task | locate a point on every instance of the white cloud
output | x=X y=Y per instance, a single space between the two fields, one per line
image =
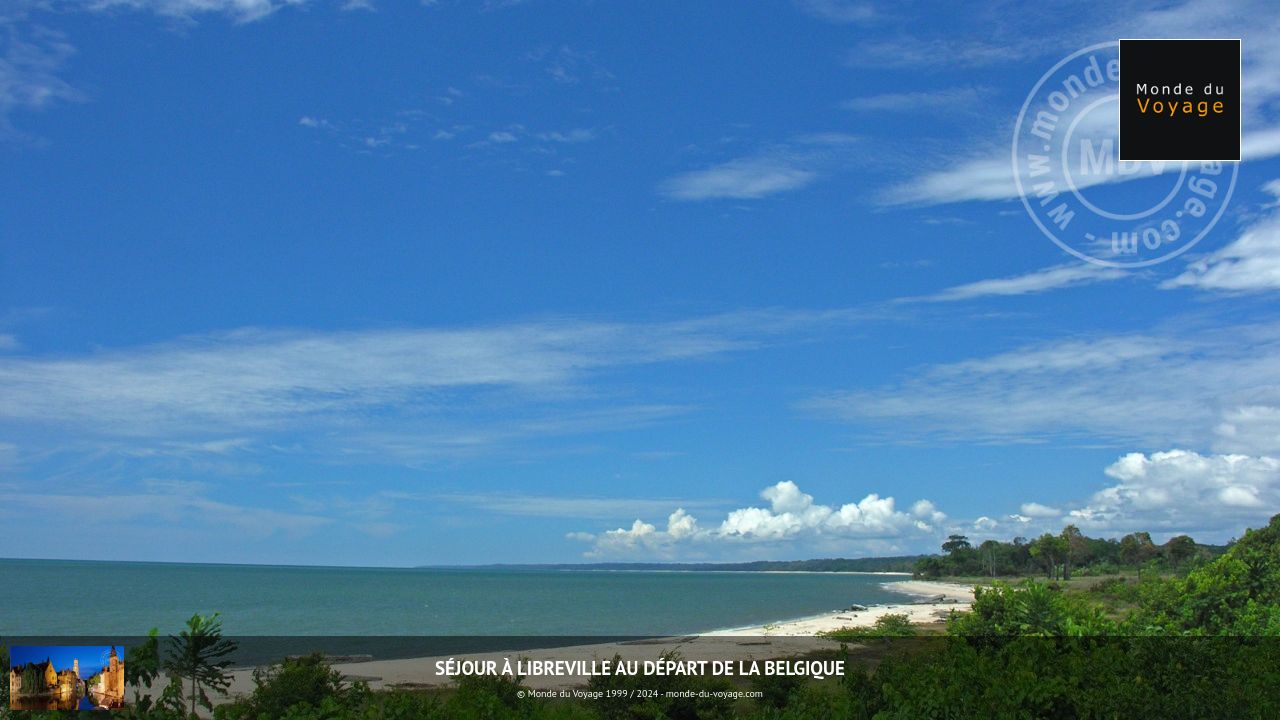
x=988 y=175
x=1050 y=278
x=1210 y=497
x=410 y=392
x=782 y=168
x=168 y=502
x=319 y=123
x=952 y=52
x=1201 y=386
x=791 y=514
x=559 y=506
x=1184 y=491
x=1036 y=510
x=31 y=55
x=30 y=59
x=502 y=136
x=744 y=178
x=1249 y=263
x=984 y=524
x=576 y=135
x=1272 y=187
x=238 y=10
x=566 y=66
x=949 y=99
x=838 y=11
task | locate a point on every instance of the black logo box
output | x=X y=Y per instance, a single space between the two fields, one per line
x=1180 y=65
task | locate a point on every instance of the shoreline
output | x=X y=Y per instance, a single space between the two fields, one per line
x=953 y=596
x=744 y=572
x=771 y=640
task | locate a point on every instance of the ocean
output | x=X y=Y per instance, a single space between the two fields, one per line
x=60 y=598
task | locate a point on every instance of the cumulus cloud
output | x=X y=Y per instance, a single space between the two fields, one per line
x=984 y=524
x=791 y=514
x=1184 y=491
x=1036 y=510
x=1209 y=496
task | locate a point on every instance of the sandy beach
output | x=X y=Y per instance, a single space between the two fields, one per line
x=934 y=602
x=947 y=597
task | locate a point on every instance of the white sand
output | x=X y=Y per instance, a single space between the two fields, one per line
x=925 y=588
x=772 y=640
x=956 y=597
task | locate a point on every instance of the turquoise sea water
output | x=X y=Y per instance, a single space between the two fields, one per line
x=97 y=598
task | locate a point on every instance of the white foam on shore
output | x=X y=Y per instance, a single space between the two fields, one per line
x=956 y=597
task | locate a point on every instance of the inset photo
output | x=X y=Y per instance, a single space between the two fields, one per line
x=66 y=677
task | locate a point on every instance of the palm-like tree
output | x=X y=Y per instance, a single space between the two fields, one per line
x=198 y=655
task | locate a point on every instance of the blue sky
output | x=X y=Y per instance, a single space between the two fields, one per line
x=93 y=658
x=459 y=282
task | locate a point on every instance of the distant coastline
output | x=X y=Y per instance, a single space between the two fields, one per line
x=897 y=564
x=891 y=565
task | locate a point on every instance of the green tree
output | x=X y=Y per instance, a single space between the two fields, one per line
x=1073 y=547
x=198 y=656
x=1136 y=548
x=1180 y=548
x=988 y=551
x=955 y=545
x=1049 y=549
x=141 y=668
x=929 y=567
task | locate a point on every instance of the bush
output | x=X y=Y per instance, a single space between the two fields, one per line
x=1033 y=609
x=891 y=625
x=304 y=682
x=1235 y=594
